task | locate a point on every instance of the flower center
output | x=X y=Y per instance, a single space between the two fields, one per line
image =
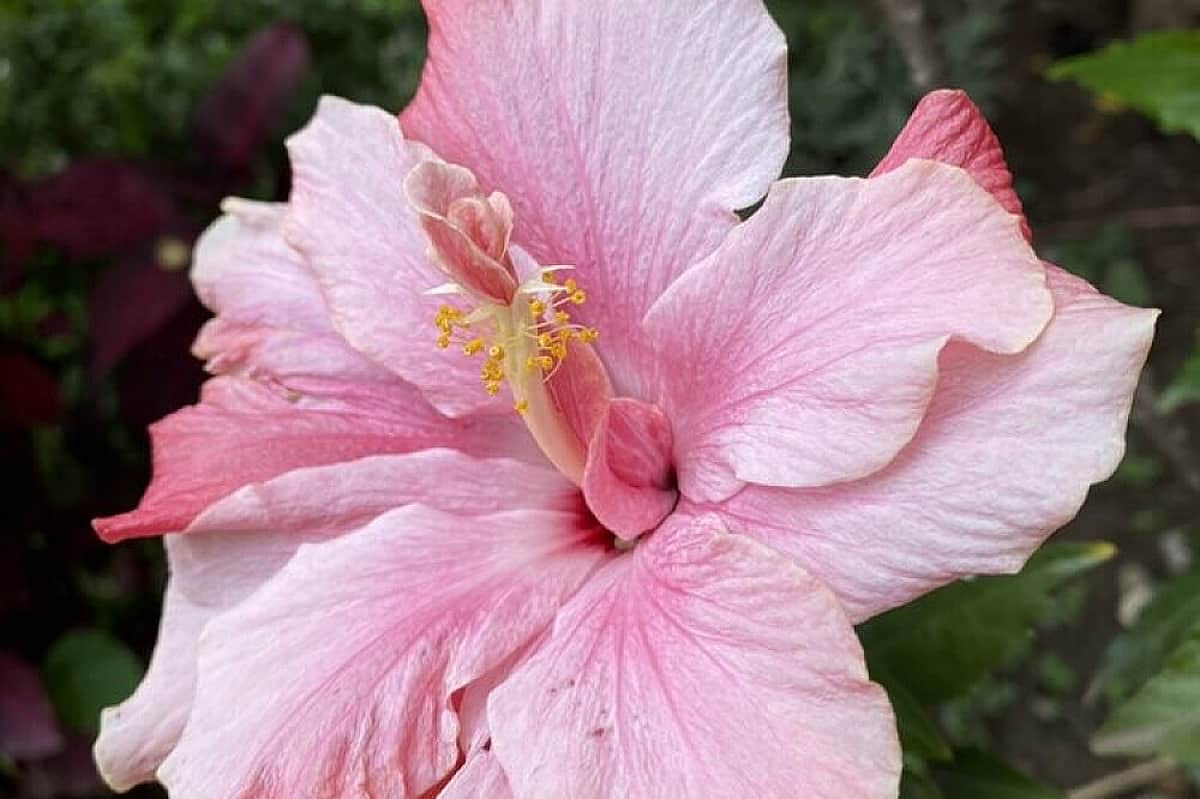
x=522 y=333
x=524 y=344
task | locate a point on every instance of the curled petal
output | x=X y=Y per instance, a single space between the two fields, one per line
x=947 y=127
x=244 y=432
x=629 y=480
x=816 y=366
x=468 y=232
x=1004 y=457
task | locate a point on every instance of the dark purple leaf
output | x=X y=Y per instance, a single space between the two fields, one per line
x=28 y=393
x=28 y=729
x=161 y=375
x=233 y=122
x=131 y=302
x=98 y=207
x=17 y=238
x=72 y=772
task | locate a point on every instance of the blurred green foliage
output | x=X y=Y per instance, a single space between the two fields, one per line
x=1184 y=388
x=1107 y=260
x=942 y=644
x=80 y=77
x=121 y=76
x=1150 y=676
x=850 y=91
x=946 y=649
x=1163 y=717
x=86 y=671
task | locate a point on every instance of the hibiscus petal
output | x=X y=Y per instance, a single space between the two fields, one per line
x=243 y=270
x=309 y=398
x=238 y=543
x=804 y=351
x=138 y=734
x=468 y=233
x=1004 y=457
x=622 y=156
x=350 y=219
x=946 y=126
x=479 y=778
x=702 y=664
x=244 y=432
x=370 y=635
x=628 y=480
x=271 y=318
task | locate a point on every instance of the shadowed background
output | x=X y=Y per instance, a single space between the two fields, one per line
x=124 y=122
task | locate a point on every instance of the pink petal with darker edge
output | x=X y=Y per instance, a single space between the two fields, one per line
x=238 y=543
x=946 y=126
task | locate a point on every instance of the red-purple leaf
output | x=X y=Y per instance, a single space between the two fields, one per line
x=233 y=121
x=17 y=237
x=161 y=376
x=129 y=304
x=28 y=729
x=99 y=206
x=28 y=393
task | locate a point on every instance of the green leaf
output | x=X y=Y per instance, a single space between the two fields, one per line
x=942 y=644
x=1157 y=73
x=1134 y=655
x=1163 y=718
x=918 y=734
x=978 y=775
x=86 y=671
x=1184 y=388
x=916 y=783
x=1126 y=281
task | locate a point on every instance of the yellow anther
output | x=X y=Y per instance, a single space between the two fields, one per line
x=492 y=370
x=446 y=315
x=502 y=334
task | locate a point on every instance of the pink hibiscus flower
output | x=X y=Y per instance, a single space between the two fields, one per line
x=731 y=440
